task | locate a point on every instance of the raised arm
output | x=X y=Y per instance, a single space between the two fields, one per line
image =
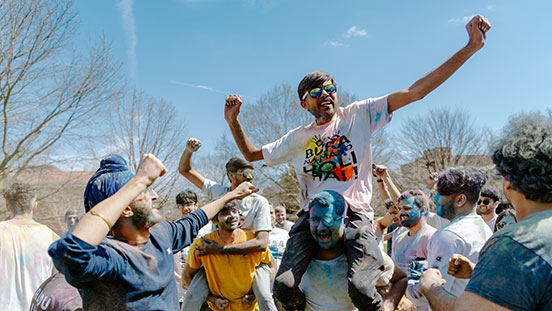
x=92 y=228
x=185 y=165
x=241 y=191
x=231 y=111
x=477 y=29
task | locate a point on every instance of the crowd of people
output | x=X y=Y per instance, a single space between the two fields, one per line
x=444 y=247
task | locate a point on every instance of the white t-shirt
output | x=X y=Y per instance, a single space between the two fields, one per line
x=334 y=156
x=394 y=237
x=254 y=209
x=436 y=221
x=325 y=285
x=407 y=248
x=24 y=261
x=491 y=223
x=277 y=241
x=465 y=235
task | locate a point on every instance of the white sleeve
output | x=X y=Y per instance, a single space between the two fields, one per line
x=442 y=246
x=374 y=112
x=262 y=220
x=213 y=190
x=281 y=150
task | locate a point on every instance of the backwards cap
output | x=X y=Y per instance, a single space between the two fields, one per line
x=112 y=175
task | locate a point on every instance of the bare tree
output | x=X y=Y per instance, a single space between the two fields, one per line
x=143 y=124
x=438 y=139
x=47 y=90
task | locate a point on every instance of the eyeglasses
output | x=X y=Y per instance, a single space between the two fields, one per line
x=485 y=202
x=316 y=92
x=315 y=221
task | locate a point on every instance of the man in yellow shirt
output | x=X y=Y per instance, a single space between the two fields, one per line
x=229 y=276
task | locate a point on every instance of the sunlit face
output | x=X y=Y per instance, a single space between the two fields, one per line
x=281 y=217
x=322 y=108
x=410 y=214
x=142 y=207
x=186 y=209
x=240 y=176
x=445 y=205
x=395 y=216
x=486 y=205
x=228 y=218
x=325 y=226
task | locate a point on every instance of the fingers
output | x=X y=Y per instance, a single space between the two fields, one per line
x=151 y=168
x=193 y=144
x=233 y=99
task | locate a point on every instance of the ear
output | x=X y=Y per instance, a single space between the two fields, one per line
x=127 y=212
x=304 y=104
x=461 y=200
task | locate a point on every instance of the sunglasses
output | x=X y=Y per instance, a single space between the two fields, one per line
x=316 y=92
x=485 y=202
x=315 y=221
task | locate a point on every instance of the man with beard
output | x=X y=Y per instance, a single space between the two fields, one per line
x=514 y=271
x=487 y=204
x=458 y=191
x=230 y=277
x=334 y=152
x=410 y=247
x=132 y=268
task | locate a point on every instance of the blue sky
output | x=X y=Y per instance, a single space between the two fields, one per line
x=194 y=52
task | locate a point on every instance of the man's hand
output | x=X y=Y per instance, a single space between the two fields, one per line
x=379 y=171
x=232 y=107
x=193 y=144
x=150 y=169
x=430 y=278
x=243 y=190
x=209 y=247
x=248 y=299
x=477 y=29
x=221 y=303
x=460 y=267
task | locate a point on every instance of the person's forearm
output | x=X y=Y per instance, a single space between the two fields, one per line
x=439 y=299
x=214 y=207
x=394 y=193
x=185 y=164
x=251 y=246
x=384 y=191
x=92 y=228
x=246 y=146
x=432 y=80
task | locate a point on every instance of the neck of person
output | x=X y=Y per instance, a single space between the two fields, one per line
x=25 y=216
x=228 y=236
x=489 y=216
x=416 y=228
x=127 y=232
x=464 y=211
x=330 y=253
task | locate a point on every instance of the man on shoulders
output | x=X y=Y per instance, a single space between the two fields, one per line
x=334 y=152
x=254 y=214
x=230 y=277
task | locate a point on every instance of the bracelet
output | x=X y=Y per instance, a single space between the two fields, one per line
x=379 y=180
x=93 y=212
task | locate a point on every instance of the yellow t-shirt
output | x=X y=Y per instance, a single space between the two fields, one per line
x=229 y=276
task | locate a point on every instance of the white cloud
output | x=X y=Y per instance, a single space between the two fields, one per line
x=335 y=44
x=464 y=19
x=354 y=31
x=129 y=28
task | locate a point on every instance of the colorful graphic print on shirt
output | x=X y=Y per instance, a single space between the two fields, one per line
x=328 y=157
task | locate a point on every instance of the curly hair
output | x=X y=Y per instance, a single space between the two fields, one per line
x=524 y=156
x=462 y=180
x=418 y=198
x=19 y=198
